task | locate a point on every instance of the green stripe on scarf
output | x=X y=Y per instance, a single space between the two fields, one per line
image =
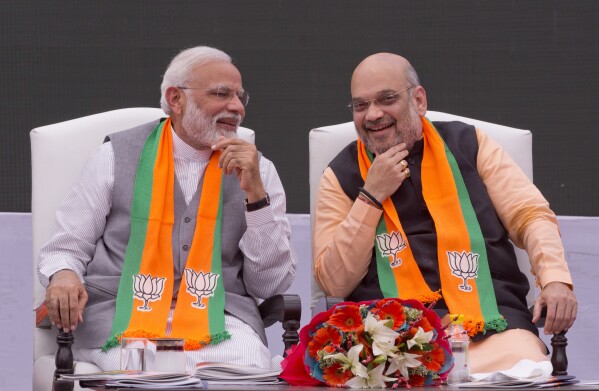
x=140 y=209
x=484 y=283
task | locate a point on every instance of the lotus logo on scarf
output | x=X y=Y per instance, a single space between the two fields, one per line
x=390 y=245
x=200 y=285
x=147 y=288
x=464 y=266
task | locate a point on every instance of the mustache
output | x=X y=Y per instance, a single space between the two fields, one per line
x=386 y=121
x=225 y=115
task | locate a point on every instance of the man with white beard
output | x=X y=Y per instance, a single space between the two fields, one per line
x=173 y=228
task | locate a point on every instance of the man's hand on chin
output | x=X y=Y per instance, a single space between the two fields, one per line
x=65 y=299
x=240 y=157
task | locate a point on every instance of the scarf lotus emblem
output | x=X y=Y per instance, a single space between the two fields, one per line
x=146 y=286
x=463 y=266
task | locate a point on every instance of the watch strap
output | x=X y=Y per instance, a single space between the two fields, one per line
x=254 y=206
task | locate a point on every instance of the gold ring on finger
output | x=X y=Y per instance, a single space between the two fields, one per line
x=407 y=171
x=403 y=163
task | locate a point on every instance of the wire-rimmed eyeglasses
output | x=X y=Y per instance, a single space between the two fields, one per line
x=223 y=93
x=356 y=106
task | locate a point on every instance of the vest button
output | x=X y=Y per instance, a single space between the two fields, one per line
x=185 y=247
x=410 y=160
x=187 y=219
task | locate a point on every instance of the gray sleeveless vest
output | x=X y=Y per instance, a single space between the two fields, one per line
x=104 y=271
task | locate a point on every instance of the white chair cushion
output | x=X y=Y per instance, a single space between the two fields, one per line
x=327 y=141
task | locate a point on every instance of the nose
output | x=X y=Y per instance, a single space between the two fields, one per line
x=235 y=105
x=373 y=112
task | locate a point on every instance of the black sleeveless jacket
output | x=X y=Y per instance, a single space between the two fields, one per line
x=511 y=286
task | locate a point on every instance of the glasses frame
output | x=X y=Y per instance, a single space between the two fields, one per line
x=244 y=98
x=378 y=101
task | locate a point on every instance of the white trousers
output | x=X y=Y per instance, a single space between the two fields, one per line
x=243 y=348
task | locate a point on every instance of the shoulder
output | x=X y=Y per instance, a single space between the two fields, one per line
x=454 y=128
x=135 y=133
x=458 y=135
x=346 y=157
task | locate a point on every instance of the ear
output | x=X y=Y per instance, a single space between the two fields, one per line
x=419 y=95
x=175 y=99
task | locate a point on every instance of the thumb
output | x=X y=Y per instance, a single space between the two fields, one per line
x=82 y=303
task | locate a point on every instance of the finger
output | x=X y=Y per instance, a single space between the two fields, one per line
x=73 y=310
x=395 y=150
x=53 y=312
x=221 y=143
x=573 y=311
x=231 y=165
x=226 y=155
x=224 y=142
x=82 y=302
x=536 y=312
x=65 y=311
x=406 y=173
x=550 y=320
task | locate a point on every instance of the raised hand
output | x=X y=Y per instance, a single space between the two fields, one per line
x=240 y=157
x=387 y=172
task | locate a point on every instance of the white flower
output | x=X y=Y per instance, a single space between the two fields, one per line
x=351 y=361
x=420 y=338
x=403 y=361
x=383 y=338
x=374 y=379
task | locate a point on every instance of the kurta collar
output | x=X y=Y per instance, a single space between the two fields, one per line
x=185 y=151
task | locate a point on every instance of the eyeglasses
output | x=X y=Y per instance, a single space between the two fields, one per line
x=223 y=94
x=383 y=100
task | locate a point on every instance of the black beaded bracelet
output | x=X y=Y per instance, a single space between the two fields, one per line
x=370 y=197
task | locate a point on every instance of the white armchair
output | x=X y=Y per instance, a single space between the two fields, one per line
x=58 y=152
x=327 y=141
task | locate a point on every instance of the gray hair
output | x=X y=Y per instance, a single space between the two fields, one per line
x=412 y=76
x=178 y=71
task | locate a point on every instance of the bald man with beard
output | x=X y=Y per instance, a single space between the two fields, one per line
x=438 y=192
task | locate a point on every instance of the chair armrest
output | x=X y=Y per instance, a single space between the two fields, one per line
x=559 y=343
x=64 y=353
x=286 y=309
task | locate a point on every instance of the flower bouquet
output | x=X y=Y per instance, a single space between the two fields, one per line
x=375 y=344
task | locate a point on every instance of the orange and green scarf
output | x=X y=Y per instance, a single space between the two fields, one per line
x=463 y=265
x=146 y=286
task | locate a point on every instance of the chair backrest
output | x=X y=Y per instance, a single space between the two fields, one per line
x=58 y=152
x=327 y=141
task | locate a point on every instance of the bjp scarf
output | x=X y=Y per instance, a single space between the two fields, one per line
x=146 y=286
x=466 y=282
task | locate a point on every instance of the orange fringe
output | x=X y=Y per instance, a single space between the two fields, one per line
x=473 y=327
x=430 y=297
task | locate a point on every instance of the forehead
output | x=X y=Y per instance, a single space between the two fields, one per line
x=373 y=78
x=216 y=73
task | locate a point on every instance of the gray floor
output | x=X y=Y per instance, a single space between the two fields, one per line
x=580 y=235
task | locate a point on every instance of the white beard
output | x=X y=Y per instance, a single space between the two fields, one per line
x=201 y=129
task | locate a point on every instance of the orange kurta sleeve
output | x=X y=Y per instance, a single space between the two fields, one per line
x=343 y=239
x=524 y=212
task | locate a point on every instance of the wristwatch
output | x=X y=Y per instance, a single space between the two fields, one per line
x=253 y=206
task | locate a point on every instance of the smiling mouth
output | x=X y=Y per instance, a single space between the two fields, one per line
x=228 y=122
x=379 y=127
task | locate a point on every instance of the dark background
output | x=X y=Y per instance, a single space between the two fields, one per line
x=527 y=64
